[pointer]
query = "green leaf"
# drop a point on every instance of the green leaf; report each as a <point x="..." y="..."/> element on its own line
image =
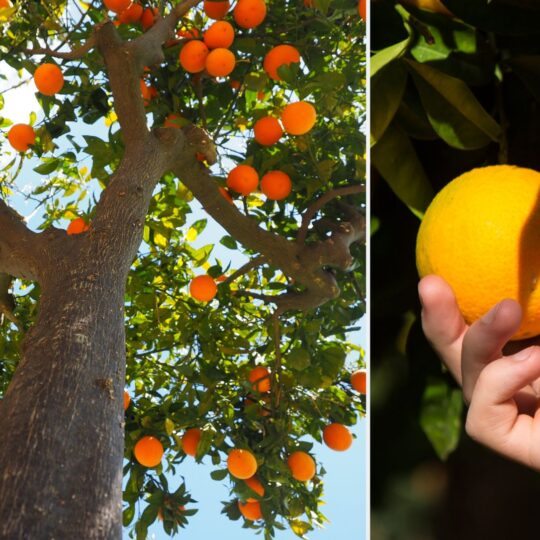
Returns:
<point x="396" y="160"/>
<point x="219" y="474"/>
<point x="453" y="110"/>
<point x="527" y="68"/>
<point x="440" y="416"/>
<point x="388" y="86"/>
<point x="384" y="57"/>
<point x="48" y="167"/>
<point x="229" y="242"/>
<point x="298" y="359"/>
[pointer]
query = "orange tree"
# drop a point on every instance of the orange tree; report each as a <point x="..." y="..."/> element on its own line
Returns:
<point x="107" y="292"/>
<point x="454" y="88"/>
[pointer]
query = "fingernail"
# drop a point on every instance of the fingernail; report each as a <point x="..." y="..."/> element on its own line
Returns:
<point x="523" y="354"/>
<point x="491" y="315"/>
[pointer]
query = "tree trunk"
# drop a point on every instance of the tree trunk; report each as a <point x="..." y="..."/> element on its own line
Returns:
<point x="62" y="419"/>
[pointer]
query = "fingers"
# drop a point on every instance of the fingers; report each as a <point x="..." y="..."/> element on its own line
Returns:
<point x="494" y="418"/>
<point x="442" y="322"/>
<point x="484" y="340"/>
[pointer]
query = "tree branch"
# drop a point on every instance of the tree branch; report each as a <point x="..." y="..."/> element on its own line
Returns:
<point x="74" y="54"/>
<point x="250" y="265"/>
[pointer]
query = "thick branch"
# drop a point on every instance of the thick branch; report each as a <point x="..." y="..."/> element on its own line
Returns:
<point x="312" y="210"/>
<point x="74" y="54"/>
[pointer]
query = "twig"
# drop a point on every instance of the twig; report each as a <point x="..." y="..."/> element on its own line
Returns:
<point x="250" y="265"/>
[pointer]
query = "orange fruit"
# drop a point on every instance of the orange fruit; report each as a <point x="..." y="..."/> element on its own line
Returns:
<point x="337" y="437"/>
<point x="302" y="466"/>
<point x="5" y="4"/>
<point x="190" y="441"/>
<point x="216" y="10"/>
<point x="241" y="463"/>
<point x="362" y="9"/>
<point x="358" y="381"/>
<point x="146" y="92"/>
<point x="431" y="5"/>
<point x="249" y="13"/>
<point x="255" y="485"/>
<point x="191" y="33"/>
<point x="260" y="377"/>
<point x="77" y="226"/>
<point x="117" y="5"/>
<point x="235" y="85"/>
<point x="148" y="18"/>
<point x="219" y="35"/>
<point x="127" y="399"/>
<point x="132" y="14"/>
<point x="173" y="120"/>
<point x="193" y="56"/>
<point x="267" y="130"/>
<point x="276" y="185"/>
<point x="21" y="137"/>
<point x="203" y="288"/>
<point x="148" y="451"/>
<point x="282" y="55"/>
<point x="226" y="195"/>
<point x="220" y="62"/>
<point x="181" y="507"/>
<point x="49" y="79"/>
<point x="243" y="179"/>
<point x="481" y="234"/>
<point x="298" y="118"/>
<point x="250" y="510"/>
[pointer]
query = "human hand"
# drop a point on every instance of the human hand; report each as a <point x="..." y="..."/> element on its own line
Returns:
<point x="503" y="392"/>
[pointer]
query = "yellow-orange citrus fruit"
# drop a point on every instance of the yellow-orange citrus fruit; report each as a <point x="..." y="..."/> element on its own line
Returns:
<point x="260" y="377"/>
<point x="362" y="9"/>
<point x="235" y="85"/>
<point x="132" y="14"/>
<point x="127" y="399"/>
<point x="4" y="4"/>
<point x="173" y="120"/>
<point x="481" y="234"/>
<point x="77" y="226"/>
<point x="302" y="466"/>
<point x="250" y="510"/>
<point x="21" y="137"/>
<point x="146" y="92"/>
<point x="117" y="5"/>
<point x="282" y="55"/>
<point x="148" y="17"/>
<point x="49" y="79"/>
<point x="226" y="195"/>
<point x="254" y="484"/>
<point x="243" y="179"/>
<point x="337" y="437"/>
<point x="203" y="288"/>
<point x="220" y="62"/>
<point x="267" y="130"/>
<point x="276" y="185"/>
<point x="249" y="13"/>
<point x="298" y="118"/>
<point x="190" y="441"/>
<point x="431" y="5"/>
<point x="193" y="56"/>
<point x="216" y="10"/>
<point x="219" y="35"/>
<point x="148" y="451"/>
<point x="358" y="381"/>
<point x="188" y="33"/>
<point x="241" y="463"/>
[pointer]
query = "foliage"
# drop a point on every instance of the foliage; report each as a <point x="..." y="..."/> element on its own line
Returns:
<point x="187" y="362"/>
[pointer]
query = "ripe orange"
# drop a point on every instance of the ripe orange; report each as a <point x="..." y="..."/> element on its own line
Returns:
<point x="127" y="399"/>
<point x="219" y="35"/>
<point x="362" y="9"/>
<point x="203" y="288"/>
<point x="148" y="451"/>
<point x="235" y="85"/>
<point x="173" y="120"/>
<point x="190" y="441"/>
<point x="193" y="56"/>
<point x="302" y="466"/>
<point x="132" y="14"/>
<point x="117" y="5"/>
<point x="481" y="234"/>
<point x="358" y="381"/>
<point x="77" y="226"/>
<point x="267" y="130"/>
<point x="298" y="118"/>
<point x="241" y="463"/>
<point x="255" y="485"/>
<point x="431" y="5"/>
<point x="243" y="179"/>
<point x="260" y="377"/>
<point x="250" y="510"/>
<point x="226" y="195"/>
<point x="148" y="18"/>
<point x="337" y="437"/>
<point x="249" y="13"/>
<point x="146" y="92"/>
<point x="216" y="10"/>
<point x="276" y="185"/>
<point x="21" y="137"/>
<point x="5" y="4"/>
<point x="282" y="55"/>
<point x="220" y="62"/>
<point x="49" y="79"/>
<point x="188" y="33"/>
